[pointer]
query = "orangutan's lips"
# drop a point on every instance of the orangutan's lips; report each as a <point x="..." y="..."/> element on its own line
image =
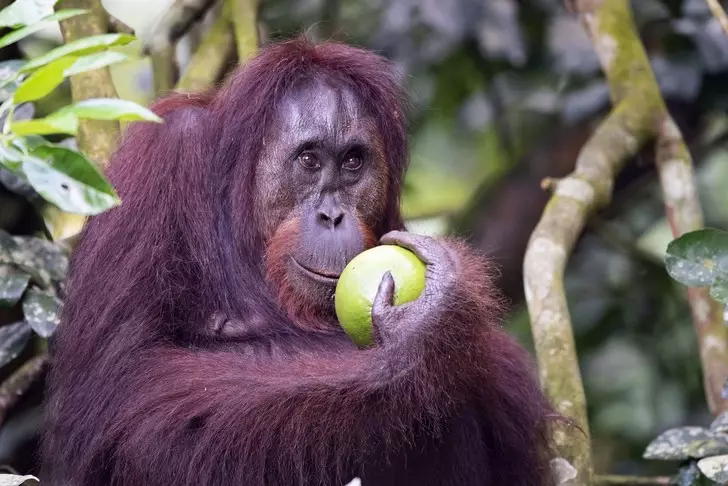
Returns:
<point x="319" y="275"/>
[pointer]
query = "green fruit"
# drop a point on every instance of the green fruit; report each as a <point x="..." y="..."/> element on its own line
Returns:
<point x="359" y="282"/>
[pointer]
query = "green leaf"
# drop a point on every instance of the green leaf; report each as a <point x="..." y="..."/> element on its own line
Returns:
<point x="85" y="45"/>
<point x="720" y="424"/>
<point x="95" y="61"/>
<point x="8" y="245"/>
<point x="45" y="261"/>
<point x="44" y="80"/>
<point x="695" y="259"/>
<point x="15" y="480"/>
<point x="13" y="338"/>
<point x="715" y="468"/>
<point x="11" y="158"/>
<point x="12" y="286"/>
<point x="684" y="443"/>
<point x="26" y="12"/>
<point x="31" y="29"/>
<point x="112" y="109"/>
<point x="69" y="180"/>
<point x="42" y="311"/>
<point x="61" y="121"/>
<point x="719" y="290"/>
<point x="47" y="78"/>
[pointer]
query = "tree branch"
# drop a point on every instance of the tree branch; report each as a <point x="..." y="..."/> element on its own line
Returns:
<point x="684" y="214"/>
<point x="631" y="123"/>
<point x="160" y="47"/>
<point x="164" y="69"/>
<point x="96" y="138"/>
<point x="631" y="481"/>
<point x="19" y="382"/>
<point x="245" y="23"/>
<point x="176" y="22"/>
<point x="719" y="14"/>
<point x="208" y="62"/>
<point x="116" y="25"/>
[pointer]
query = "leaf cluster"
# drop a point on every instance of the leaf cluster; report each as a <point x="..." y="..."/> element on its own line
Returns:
<point x="62" y="176"/>
<point x="700" y="259"/>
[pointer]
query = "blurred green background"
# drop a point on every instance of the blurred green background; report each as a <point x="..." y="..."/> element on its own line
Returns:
<point x="505" y="93"/>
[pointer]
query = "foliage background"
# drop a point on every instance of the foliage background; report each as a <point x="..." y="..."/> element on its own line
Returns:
<point x="505" y="93"/>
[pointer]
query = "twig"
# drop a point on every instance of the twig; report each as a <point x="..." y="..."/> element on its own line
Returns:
<point x="635" y="98"/>
<point x="208" y="62"/>
<point x="719" y="14"/>
<point x="96" y="138"/>
<point x="13" y="388"/>
<point x="631" y="481"/>
<point x="245" y="23"/>
<point x="684" y="214"/>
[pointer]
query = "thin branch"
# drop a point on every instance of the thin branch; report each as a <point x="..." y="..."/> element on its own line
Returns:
<point x="96" y="138"/>
<point x="160" y="47"/>
<point x="116" y="25"/>
<point x="176" y="22"/>
<point x="631" y="481"/>
<point x="684" y="214"/>
<point x="636" y="99"/>
<point x="207" y="64"/>
<point x="245" y="22"/>
<point x="164" y="69"/>
<point x="15" y="386"/>
<point x="719" y="14"/>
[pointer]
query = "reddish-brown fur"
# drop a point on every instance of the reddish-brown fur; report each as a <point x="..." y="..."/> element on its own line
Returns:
<point x="139" y="394"/>
<point x="302" y="311"/>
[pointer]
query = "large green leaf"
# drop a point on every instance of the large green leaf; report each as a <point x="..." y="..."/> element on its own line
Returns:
<point x="65" y="120"/>
<point x="48" y="21"/>
<point x="12" y="286"/>
<point x="25" y="12"/>
<point x="44" y="80"/>
<point x="683" y="443"/>
<point x="61" y="121"/>
<point x="42" y="311"/>
<point x="45" y="261"/>
<point x="715" y="468"/>
<point x="13" y="338"/>
<point x="719" y="290"/>
<point x="11" y="157"/>
<point x="112" y="109"/>
<point x="16" y="480"/>
<point x="47" y="78"/>
<point x="695" y="259"/>
<point x="85" y="45"/>
<point x="95" y="61"/>
<point x="69" y="180"/>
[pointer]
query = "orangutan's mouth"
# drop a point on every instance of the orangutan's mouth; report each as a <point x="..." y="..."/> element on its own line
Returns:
<point x="322" y="276"/>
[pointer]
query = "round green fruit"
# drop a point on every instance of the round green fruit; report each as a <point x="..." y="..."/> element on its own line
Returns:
<point x="359" y="282"/>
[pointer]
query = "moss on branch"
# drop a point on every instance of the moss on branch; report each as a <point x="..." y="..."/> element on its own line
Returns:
<point x="636" y="108"/>
<point x="210" y="58"/>
<point x="632" y="481"/>
<point x="164" y="69"/>
<point x="245" y="22"/>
